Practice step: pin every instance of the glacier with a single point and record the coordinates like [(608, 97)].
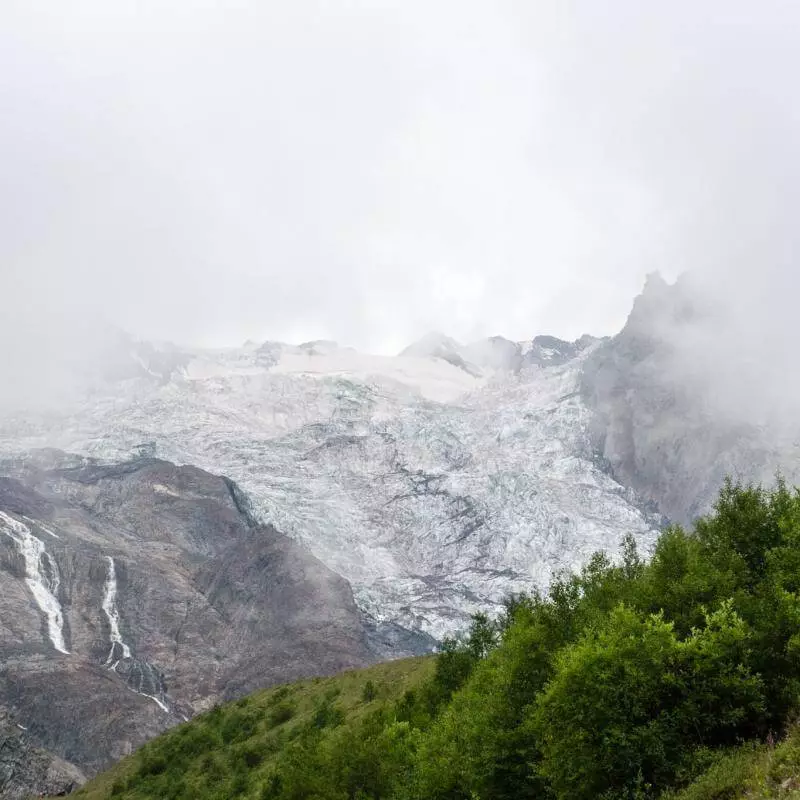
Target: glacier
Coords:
[(436, 482)]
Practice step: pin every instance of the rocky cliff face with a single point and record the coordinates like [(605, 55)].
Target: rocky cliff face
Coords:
[(29, 771), (678, 404), (135, 595)]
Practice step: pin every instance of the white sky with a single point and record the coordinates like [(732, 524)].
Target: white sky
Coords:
[(369, 171)]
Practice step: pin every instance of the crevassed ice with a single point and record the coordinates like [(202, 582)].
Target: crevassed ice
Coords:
[(434, 494), (42, 577)]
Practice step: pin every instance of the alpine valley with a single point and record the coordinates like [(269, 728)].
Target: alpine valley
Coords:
[(369, 505)]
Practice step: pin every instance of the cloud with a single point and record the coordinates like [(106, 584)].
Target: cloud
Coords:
[(211, 172)]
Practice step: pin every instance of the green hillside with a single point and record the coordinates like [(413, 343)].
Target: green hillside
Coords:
[(751, 772), (229, 751), (676, 677)]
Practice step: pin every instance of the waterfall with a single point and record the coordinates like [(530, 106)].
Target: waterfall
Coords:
[(110, 609), (41, 577)]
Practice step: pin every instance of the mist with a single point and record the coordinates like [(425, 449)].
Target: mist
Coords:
[(207, 173)]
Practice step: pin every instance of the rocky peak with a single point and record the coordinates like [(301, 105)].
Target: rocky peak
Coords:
[(437, 345), (674, 411)]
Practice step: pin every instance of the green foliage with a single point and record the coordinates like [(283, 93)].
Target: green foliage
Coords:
[(630, 679), (639, 700), (280, 713), (370, 692)]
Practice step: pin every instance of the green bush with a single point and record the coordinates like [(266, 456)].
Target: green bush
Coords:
[(370, 692), (282, 712)]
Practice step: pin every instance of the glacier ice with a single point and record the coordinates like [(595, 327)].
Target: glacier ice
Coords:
[(435, 491)]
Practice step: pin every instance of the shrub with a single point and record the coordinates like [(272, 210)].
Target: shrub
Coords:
[(281, 713), (369, 692)]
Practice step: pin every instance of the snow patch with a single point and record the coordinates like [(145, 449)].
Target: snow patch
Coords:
[(433, 379), (159, 488)]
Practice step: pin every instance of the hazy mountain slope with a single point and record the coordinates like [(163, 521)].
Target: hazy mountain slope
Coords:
[(134, 595), (685, 396), (433, 491)]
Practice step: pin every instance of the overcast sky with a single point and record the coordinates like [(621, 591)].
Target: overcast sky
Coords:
[(369, 171)]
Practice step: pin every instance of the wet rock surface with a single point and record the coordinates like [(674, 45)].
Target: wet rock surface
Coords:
[(148, 594)]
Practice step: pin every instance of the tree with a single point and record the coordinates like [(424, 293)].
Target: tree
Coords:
[(630, 702)]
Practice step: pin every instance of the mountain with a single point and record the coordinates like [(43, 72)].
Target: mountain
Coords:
[(686, 395), (378, 500), (135, 595), (440, 480), (434, 490)]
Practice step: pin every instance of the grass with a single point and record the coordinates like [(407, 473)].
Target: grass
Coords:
[(228, 752), (751, 772)]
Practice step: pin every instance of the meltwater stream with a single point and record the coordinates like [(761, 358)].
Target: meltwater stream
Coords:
[(41, 577), (141, 676), (112, 614)]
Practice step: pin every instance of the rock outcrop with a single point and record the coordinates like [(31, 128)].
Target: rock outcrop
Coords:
[(677, 407), (135, 595), (29, 771)]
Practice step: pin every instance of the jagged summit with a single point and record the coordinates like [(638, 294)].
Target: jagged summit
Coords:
[(437, 345), (432, 344), (496, 354)]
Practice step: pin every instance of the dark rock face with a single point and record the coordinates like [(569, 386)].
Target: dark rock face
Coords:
[(549, 351), (666, 421), (27, 770), (135, 595)]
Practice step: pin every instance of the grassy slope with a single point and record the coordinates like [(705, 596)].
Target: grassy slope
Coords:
[(234, 746), (754, 773)]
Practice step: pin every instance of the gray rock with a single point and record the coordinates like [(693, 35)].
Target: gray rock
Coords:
[(206, 604), (27, 770), (664, 417)]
